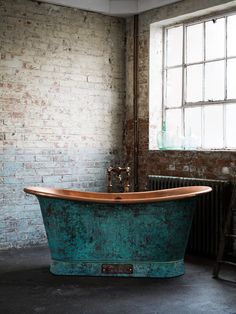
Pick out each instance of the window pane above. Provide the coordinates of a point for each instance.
(174, 87)
(231, 25)
(195, 43)
(231, 126)
(231, 78)
(214, 80)
(193, 127)
(173, 138)
(194, 83)
(215, 39)
(174, 45)
(213, 126)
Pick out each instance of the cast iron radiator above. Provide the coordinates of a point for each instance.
(209, 215)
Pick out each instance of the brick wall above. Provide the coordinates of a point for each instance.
(61, 107)
(174, 163)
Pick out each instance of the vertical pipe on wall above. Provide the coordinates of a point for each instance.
(135, 100)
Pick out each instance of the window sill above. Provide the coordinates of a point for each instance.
(194, 150)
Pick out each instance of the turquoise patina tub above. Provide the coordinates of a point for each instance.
(141, 234)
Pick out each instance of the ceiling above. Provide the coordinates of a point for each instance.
(113, 7)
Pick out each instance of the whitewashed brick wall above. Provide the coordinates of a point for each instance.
(62, 87)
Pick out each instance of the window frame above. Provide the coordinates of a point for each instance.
(184, 64)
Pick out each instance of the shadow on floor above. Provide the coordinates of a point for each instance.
(27, 286)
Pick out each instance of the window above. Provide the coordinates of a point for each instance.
(199, 85)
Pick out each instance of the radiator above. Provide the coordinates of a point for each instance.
(209, 215)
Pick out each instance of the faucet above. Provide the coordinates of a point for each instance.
(118, 171)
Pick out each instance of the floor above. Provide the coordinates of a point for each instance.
(26, 286)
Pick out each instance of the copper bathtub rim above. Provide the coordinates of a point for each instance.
(120, 198)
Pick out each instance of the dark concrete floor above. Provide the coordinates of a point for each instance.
(26, 286)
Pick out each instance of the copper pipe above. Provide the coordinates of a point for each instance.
(135, 100)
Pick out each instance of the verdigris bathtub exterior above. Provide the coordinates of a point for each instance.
(125, 240)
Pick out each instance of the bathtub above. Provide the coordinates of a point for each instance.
(142, 234)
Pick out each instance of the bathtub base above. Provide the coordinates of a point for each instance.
(129, 269)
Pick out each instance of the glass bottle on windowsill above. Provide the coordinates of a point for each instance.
(161, 137)
(170, 140)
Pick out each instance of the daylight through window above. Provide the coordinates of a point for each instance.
(199, 85)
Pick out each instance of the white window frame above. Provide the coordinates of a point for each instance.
(158, 70)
